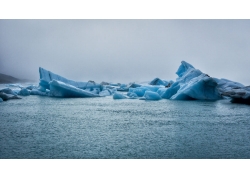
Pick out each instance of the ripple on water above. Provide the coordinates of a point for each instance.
(44, 127)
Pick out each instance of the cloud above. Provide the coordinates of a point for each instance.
(124, 50)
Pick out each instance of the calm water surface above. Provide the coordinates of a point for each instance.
(45, 127)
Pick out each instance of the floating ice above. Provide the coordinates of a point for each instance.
(238, 94)
(158, 81)
(124, 87)
(6, 97)
(150, 95)
(201, 87)
(8, 91)
(46, 77)
(132, 95)
(192, 84)
(24, 92)
(38, 92)
(1, 100)
(61, 89)
(107, 92)
(117, 95)
(225, 84)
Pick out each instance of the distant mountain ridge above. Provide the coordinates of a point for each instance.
(9, 79)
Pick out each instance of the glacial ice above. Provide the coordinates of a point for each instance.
(8, 91)
(150, 95)
(59, 86)
(238, 94)
(61, 89)
(191, 84)
(24, 92)
(158, 81)
(46, 77)
(118, 95)
(6, 96)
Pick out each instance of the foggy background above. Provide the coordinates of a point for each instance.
(125, 50)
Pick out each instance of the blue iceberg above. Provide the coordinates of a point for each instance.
(158, 81)
(117, 95)
(55, 85)
(192, 84)
(61, 89)
(46, 77)
(24, 92)
(238, 94)
(150, 95)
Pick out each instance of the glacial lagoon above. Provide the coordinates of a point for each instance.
(44, 127)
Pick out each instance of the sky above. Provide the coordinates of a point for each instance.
(125, 50)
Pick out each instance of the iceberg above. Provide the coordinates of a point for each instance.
(238, 94)
(158, 81)
(192, 84)
(55, 85)
(61, 89)
(117, 95)
(24, 92)
(140, 91)
(6, 97)
(132, 95)
(46, 77)
(124, 87)
(150, 95)
(8, 91)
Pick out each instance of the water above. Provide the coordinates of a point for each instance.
(45, 127)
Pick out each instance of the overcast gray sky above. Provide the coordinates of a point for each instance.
(125, 50)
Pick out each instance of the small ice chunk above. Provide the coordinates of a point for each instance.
(8, 91)
(132, 95)
(61, 89)
(24, 92)
(150, 95)
(117, 95)
(6, 97)
(37, 92)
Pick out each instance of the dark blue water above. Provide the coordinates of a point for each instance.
(44, 127)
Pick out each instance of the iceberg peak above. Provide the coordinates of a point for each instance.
(183, 68)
